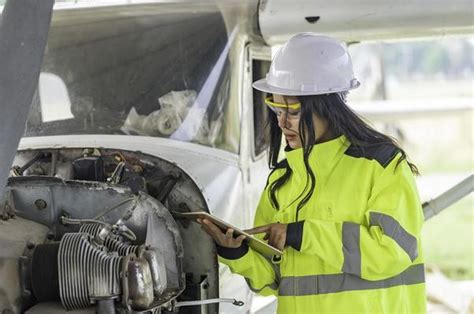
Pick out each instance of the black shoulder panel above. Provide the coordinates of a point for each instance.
(383, 153)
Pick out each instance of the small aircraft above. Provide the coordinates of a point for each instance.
(117, 113)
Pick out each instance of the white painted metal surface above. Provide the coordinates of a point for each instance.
(364, 20)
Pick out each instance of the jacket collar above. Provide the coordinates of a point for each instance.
(322, 158)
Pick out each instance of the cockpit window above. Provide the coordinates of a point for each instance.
(152, 70)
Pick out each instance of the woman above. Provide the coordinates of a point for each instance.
(343, 205)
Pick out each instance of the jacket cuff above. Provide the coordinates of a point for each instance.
(294, 235)
(232, 253)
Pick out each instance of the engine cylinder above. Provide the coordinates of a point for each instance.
(86, 272)
(112, 241)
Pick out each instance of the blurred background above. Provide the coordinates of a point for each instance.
(422, 92)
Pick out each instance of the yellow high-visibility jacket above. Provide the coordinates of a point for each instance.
(354, 247)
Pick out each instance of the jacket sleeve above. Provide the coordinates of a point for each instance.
(385, 244)
(261, 274)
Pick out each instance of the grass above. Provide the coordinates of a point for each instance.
(448, 240)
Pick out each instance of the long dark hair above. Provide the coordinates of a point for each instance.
(341, 120)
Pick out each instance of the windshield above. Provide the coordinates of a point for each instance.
(156, 70)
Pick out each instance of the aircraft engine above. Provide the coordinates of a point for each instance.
(92, 231)
(88, 270)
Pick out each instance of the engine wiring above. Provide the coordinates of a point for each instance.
(118, 227)
(108, 210)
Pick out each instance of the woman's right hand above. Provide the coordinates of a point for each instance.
(223, 239)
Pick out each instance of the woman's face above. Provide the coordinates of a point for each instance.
(289, 119)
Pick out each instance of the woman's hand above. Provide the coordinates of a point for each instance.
(275, 234)
(223, 239)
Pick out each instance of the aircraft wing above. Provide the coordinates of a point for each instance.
(354, 21)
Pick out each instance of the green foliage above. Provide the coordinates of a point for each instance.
(427, 57)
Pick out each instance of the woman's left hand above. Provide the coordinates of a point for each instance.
(275, 234)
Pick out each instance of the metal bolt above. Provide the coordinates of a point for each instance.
(41, 204)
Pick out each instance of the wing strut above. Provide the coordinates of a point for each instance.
(454, 194)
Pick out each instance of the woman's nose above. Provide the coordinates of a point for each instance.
(282, 120)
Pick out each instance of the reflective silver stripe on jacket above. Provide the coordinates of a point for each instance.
(274, 285)
(351, 248)
(394, 230)
(390, 227)
(323, 284)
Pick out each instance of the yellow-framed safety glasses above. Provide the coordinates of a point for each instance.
(269, 102)
(292, 111)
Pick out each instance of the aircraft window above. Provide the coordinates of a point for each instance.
(261, 140)
(158, 73)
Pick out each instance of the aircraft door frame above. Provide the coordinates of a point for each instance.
(256, 168)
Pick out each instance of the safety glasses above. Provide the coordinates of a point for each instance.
(292, 111)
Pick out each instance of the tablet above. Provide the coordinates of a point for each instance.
(255, 243)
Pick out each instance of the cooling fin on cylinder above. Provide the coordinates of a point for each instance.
(86, 273)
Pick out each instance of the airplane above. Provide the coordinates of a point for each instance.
(116, 114)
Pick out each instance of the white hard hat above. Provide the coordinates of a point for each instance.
(309, 64)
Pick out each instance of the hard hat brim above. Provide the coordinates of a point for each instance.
(263, 86)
